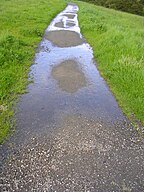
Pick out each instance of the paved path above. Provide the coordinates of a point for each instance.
(71, 134)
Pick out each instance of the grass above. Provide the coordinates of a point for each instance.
(22, 24)
(117, 39)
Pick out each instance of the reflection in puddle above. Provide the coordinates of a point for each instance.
(66, 16)
(70, 78)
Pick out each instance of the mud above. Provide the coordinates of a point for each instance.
(64, 38)
(70, 78)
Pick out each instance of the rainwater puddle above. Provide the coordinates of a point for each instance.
(66, 81)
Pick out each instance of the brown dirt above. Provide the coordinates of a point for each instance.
(64, 38)
(70, 78)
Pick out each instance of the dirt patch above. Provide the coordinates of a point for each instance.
(59, 24)
(70, 16)
(64, 38)
(69, 76)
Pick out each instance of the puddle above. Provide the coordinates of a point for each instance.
(68, 15)
(70, 78)
(66, 81)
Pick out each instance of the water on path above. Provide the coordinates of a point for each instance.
(71, 134)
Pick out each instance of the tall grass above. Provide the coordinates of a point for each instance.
(117, 39)
(22, 24)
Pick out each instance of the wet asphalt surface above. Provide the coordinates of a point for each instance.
(71, 134)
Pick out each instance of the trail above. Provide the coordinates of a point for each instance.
(71, 134)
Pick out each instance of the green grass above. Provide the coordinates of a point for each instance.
(117, 39)
(22, 23)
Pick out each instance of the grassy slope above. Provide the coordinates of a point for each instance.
(118, 43)
(22, 24)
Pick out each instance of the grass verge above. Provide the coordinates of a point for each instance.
(117, 39)
(22, 24)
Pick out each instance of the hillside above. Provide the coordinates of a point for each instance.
(131, 6)
(117, 39)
